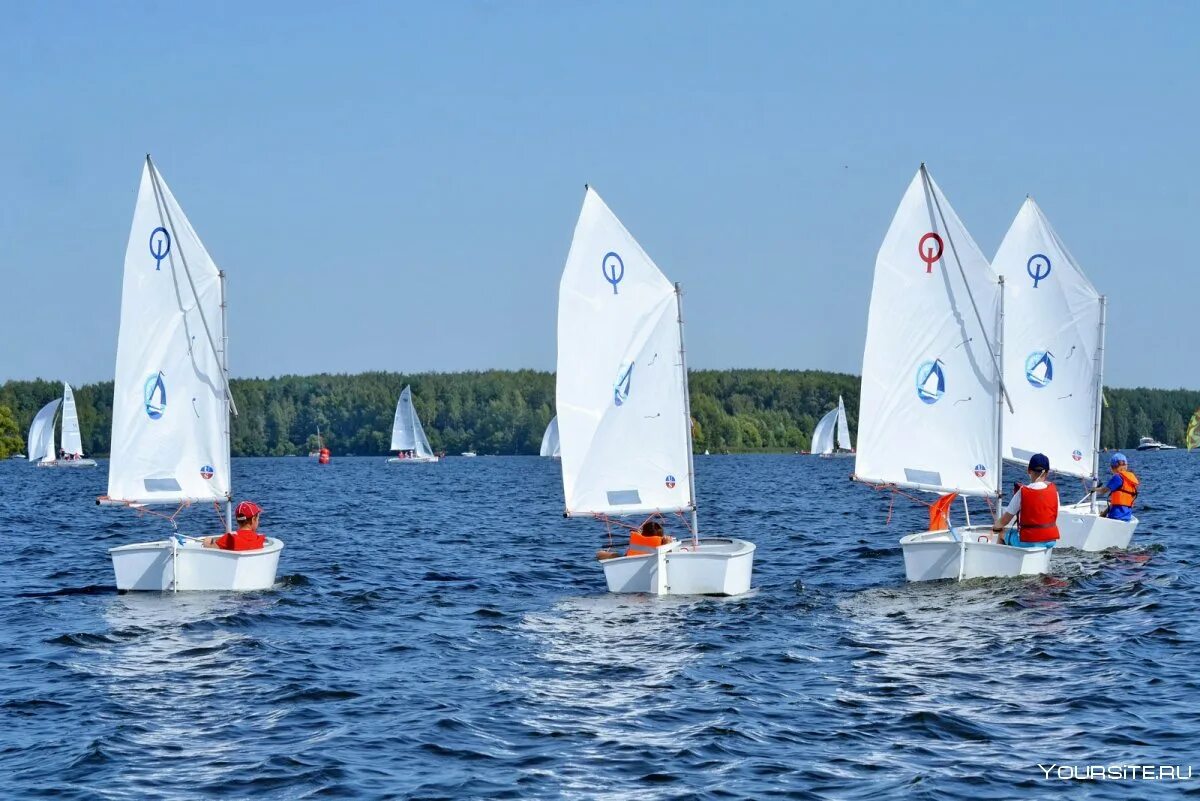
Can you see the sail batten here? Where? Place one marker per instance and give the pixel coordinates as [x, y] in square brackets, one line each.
[1052, 344]
[928, 414]
[620, 387]
[170, 403]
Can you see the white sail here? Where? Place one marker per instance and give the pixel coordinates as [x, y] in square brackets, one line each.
[550, 442]
[40, 443]
[170, 405]
[843, 427]
[71, 442]
[407, 433]
[621, 390]
[822, 439]
[928, 415]
[1051, 341]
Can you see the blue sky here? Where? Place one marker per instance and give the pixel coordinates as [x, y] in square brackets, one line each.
[394, 186]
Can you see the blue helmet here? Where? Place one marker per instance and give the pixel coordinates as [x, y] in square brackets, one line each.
[1118, 458]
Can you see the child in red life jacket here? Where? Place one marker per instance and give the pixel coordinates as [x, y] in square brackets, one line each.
[1036, 508]
[246, 538]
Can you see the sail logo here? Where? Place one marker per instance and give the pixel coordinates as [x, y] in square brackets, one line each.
[1038, 268]
[1039, 368]
[621, 388]
[206, 472]
[670, 482]
[613, 268]
[160, 246]
[980, 470]
[930, 250]
[154, 396]
[931, 381]
[1077, 455]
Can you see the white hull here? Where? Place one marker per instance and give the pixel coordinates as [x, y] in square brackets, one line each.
[933, 555]
[69, 463]
[714, 567]
[412, 460]
[165, 566]
[1082, 528]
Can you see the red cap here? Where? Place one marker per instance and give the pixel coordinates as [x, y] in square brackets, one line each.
[246, 510]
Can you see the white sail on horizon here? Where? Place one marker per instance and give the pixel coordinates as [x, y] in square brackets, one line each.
[170, 416]
[928, 414]
[1052, 320]
[551, 445]
[407, 432]
[843, 427]
[72, 443]
[822, 438]
[40, 442]
[621, 391]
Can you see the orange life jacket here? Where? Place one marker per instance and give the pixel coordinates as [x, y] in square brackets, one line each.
[641, 545]
[1127, 494]
[1039, 514]
[939, 512]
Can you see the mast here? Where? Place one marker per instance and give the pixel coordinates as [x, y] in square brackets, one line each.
[1099, 399]
[687, 416]
[229, 408]
[1000, 398]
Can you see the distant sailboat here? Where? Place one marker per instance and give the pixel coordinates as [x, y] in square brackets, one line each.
[833, 425]
[41, 435]
[623, 410]
[551, 446]
[1054, 369]
[408, 437]
[171, 403]
[934, 321]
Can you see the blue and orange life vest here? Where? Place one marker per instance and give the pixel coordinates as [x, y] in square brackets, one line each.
[1039, 514]
[1127, 494]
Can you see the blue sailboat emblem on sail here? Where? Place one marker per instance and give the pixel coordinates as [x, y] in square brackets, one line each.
[1039, 368]
[154, 396]
[621, 388]
[931, 381]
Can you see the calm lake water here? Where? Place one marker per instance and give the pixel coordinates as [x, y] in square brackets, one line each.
[441, 631]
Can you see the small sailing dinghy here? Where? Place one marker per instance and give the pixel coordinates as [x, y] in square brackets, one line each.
[932, 404]
[1054, 370]
[171, 403]
[408, 437]
[41, 435]
[834, 422]
[551, 447]
[623, 410]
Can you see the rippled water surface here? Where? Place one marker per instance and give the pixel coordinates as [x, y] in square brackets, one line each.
[442, 631]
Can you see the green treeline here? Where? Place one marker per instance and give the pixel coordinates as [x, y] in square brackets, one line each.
[505, 412]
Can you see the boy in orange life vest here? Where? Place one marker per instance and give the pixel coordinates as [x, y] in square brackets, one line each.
[1037, 506]
[246, 538]
[1122, 488]
[641, 543]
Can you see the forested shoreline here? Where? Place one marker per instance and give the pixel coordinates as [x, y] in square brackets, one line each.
[506, 411]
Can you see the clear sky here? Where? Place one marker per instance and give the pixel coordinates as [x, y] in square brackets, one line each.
[394, 185]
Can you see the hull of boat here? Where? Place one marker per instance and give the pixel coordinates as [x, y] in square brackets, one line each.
[69, 463]
[933, 555]
[1082, 528]
[166, 566]
[413, 460]
[717, 566]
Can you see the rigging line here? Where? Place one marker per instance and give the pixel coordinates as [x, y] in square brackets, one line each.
[970, 296]
[164, 209]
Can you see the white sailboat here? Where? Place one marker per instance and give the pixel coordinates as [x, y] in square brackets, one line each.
[831, 437]
[171, 403]
[623, 410]
[551, 445]
[932, 404]
[408, 437]
[41, 435]
[1054, 370]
